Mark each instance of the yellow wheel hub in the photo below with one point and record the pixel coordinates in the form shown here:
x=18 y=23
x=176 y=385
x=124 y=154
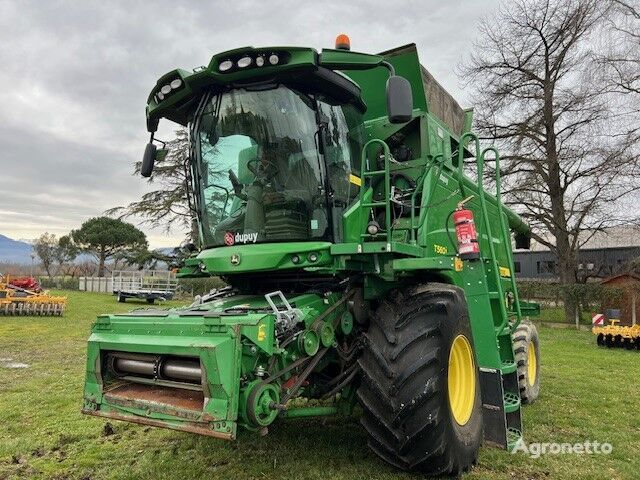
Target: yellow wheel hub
x=532 y=364
x=461 y=380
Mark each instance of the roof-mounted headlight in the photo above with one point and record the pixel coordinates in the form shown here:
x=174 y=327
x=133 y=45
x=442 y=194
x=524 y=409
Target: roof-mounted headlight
x=226 y=65
x=244 y=62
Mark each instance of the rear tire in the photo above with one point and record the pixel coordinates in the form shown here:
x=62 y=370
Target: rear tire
x=526 y=348
x=121 y=298
x=409 y=413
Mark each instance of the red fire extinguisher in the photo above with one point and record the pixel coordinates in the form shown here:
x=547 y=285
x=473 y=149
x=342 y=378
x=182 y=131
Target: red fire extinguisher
x=468 y=247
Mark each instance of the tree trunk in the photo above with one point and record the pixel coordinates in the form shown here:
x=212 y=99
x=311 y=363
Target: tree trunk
x=102 y=261
x=566 y=274
x=564 y=253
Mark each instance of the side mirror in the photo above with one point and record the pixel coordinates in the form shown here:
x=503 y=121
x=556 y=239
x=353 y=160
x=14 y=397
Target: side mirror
x=523 y=241
x=399 y=99
x=148 y=160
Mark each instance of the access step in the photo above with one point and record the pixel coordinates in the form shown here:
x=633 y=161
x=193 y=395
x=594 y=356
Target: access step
x=508 y=367
x=513 y=437
x=511 y=402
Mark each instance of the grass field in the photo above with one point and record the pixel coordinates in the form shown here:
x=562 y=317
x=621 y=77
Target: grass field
x=588 y=394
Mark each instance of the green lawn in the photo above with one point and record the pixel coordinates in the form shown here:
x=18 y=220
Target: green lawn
x=556 y=315
x=588 y=394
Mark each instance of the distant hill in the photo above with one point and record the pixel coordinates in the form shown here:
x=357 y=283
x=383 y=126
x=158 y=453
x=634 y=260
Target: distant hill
x=15 y=251
x=19 y=251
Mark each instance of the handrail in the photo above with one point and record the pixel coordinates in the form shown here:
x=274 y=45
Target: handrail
x=460 y=165
x=487 y=226
x=505 y=233
x=364 y=164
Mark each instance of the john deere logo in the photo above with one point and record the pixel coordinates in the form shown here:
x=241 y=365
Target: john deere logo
x=235 y=259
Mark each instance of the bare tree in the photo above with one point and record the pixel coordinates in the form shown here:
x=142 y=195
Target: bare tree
x=617 y=65
x=563 y=168
x=86 y=268
x=46 y=248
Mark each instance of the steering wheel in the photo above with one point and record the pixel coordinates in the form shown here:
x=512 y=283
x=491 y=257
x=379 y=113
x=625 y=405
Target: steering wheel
x=263 y=169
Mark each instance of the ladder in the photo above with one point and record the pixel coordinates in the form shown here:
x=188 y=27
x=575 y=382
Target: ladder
x=367 y=172
x=500 y=389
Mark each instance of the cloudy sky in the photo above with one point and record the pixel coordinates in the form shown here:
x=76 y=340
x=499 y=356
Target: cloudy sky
x=75 y=76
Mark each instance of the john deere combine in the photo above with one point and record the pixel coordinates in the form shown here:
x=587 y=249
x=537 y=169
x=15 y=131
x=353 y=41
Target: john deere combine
x=23 y=296
x=362 y=263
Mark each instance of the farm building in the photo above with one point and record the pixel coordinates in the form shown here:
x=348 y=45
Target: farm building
x=605 y=254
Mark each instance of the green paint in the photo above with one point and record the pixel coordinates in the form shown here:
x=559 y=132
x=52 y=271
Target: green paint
x=250 y=356
x=311 y=412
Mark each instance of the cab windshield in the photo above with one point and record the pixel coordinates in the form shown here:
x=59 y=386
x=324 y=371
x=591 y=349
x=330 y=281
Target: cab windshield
x=260 y=176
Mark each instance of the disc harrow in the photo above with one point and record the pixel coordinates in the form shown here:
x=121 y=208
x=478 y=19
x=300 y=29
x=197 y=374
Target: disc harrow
x=617 y=336
x=16 y=300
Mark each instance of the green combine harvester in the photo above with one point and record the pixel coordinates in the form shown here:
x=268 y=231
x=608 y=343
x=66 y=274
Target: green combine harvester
x=363 y=265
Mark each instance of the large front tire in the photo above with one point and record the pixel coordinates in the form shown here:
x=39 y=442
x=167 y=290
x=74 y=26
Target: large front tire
x=420 y=391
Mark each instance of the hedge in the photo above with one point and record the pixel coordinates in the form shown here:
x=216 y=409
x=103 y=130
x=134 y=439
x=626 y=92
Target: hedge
x=60 y=283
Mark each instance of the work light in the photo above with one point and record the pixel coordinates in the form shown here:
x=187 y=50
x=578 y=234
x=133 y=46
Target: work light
x=244 y=62
x=226 y=65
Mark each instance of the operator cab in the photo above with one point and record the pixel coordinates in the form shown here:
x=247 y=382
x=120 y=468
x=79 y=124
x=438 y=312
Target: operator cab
x=273 y=163
x=274 y=146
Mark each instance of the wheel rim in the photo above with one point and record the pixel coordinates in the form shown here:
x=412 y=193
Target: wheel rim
x=461 y=380
x=532 y=364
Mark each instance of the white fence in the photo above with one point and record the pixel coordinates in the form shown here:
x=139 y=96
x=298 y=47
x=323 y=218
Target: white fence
x=96 y=284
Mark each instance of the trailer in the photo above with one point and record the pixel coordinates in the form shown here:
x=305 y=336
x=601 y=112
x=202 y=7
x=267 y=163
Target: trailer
x=149 y=285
